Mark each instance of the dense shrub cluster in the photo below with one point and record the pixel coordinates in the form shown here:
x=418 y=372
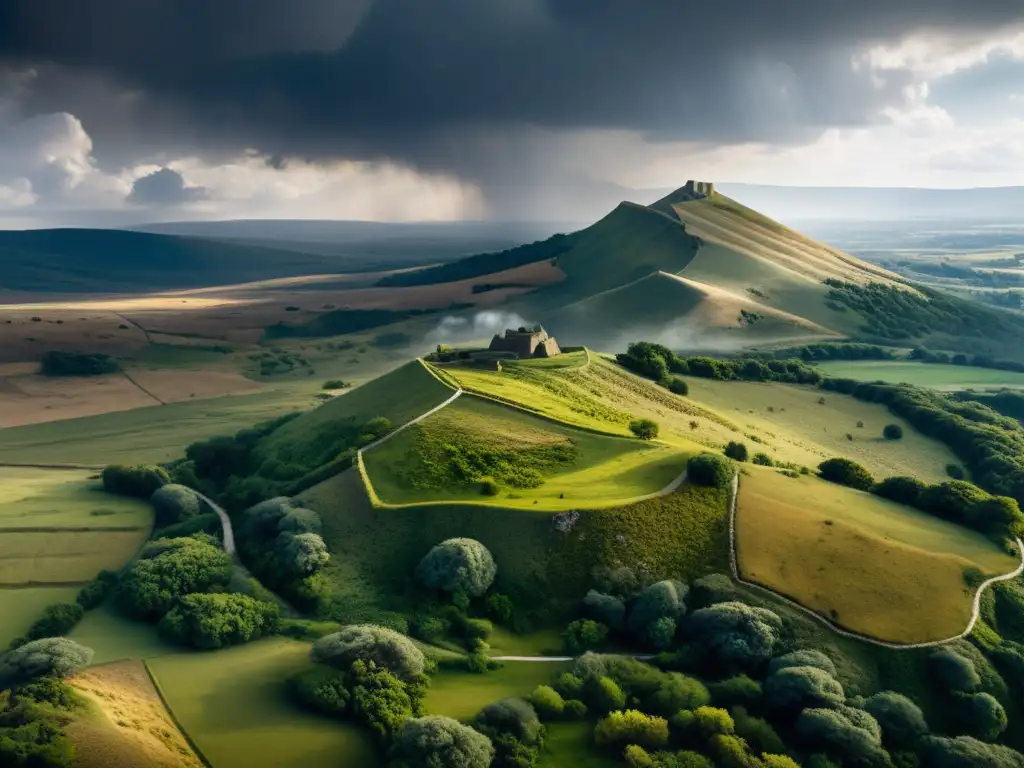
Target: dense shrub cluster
x=709 y=469
x=57 y=363
x=140 y=480
x=440 y=742
x=657 y=362
x=515 y=731
x=211 y=621
x=384 y=647
x=174 y=503
x=846 y=472
x=901 y=315
x=47 y=657
x=57 y=619
x=813 y=353
x=93 y=594
x=280 y=541
x=168 y=569
x=32 y=719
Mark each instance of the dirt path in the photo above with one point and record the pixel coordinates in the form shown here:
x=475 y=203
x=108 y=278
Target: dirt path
x=975 y=609
x=225 y=523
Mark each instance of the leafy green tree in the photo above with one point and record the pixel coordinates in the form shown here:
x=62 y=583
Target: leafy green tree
x=454 y=565
x=645 y=429
x=174 y=503
x=735 y=633
x=604 y=695
x=903 y=723
x=367 y=642
x=50 y=656
x=664 y=599
x=168 y=569
x=846 y=732
x=737 y=451
x=501 y=608
x=846 y=472
x=140 y=480
x=892 y=432
x=794 y=688
x=435 y=741
x=513 y=716
x=805 y=657
x=709 y=469
x=57 y=620
x=904 y=490
x=967 y=752
x=303 y=554
x=321 y=689
x=380 y=700
x=619 y=729
x=584 y=635
x=984 y=717
x=93 y=594
x=675 y=692
x=661 y=633
x=956 y=673
x=211 y=621
x=547 y=702
x=757 y=732
x=569 y=685
x=607 y=609
x=739 y=690
x=678 y=386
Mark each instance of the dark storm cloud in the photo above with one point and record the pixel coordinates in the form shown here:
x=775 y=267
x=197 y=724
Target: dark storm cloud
x=164 y=188
x=433 y=82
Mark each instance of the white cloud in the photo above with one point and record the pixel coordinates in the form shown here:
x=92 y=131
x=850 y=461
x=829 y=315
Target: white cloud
x=930 y=55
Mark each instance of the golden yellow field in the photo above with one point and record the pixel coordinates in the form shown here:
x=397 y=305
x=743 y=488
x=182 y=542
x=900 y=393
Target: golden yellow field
x=871 y=565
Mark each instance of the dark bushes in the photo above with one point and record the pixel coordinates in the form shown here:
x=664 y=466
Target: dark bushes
x=93 y=594
x=709 y=469
x=656 y=362
x=846 y=472
x=211 y=621
x=56 y=363
x=140 y=480
x=174 y=503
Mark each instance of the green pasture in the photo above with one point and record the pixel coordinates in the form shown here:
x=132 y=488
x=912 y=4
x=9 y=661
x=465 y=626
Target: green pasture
x=461 y=694
x=19 y=607
x=233 y=705
x=805 y=425
x=114 y=637
x=65 y=557
x=870 y=564
x=48 y=499
x=933 y=375
x=571 y=745
x=604 y=471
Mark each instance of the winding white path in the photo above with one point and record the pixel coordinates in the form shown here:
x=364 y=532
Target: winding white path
x=975 y=609
x=225 y=523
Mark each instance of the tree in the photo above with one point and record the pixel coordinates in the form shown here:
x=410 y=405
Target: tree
x=321 y=689
x=903 y=723
x=676 y=692
x=547 y=702
x=218 y=620
x=620 y=729
x=678 y=386
x=966 y=752
x=735 y=633
x=737 y=451
x=735 y=691
x=794 y=688
x=435 y=741
x=380 y=700
x=905 y=490
x=368 y=642
x=174 y=503
x=168 y=569
x=584 y=635
x=663 y=599
x=502 y=609
x=608 y=609
x=49 y=656
x=847 y=732
x=141 y=480
x=846 y=472
x=645 y=429
x=806 y=657
x=303 y=554
x=57 y=620
x=456 y=565
x=984 y=717
x=604 y=695
x=513 y=716
x=709 y=469
x=892 y=432
x=956 y=673
x=661 y=633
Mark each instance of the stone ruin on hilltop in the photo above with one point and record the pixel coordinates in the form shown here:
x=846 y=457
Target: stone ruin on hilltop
x=526 y=343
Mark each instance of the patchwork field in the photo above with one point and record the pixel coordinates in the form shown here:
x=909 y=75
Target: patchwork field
x=233 y=705
x=796 y=426
x=871 y=565
x=936 y=376
x=129 y=726
x=435 y=460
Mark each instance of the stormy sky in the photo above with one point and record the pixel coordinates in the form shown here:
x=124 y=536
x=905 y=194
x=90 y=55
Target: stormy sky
x=514 y=109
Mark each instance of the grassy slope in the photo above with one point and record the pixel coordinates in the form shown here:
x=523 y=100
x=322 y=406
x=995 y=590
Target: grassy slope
x=802 y=430
x=678 y=311
x=629 y=243
x=942 y=377
x=115 y=637
x=399 y=396
x=462 y=694
x=884 y=569
x=375 y=551
x=40 y=498
x=233 y=705
x=605 y=469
